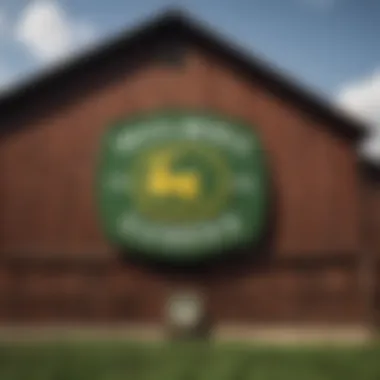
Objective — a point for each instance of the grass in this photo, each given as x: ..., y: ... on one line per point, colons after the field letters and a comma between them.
x: 139, y: 361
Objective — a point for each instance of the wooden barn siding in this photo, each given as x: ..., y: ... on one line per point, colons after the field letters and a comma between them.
x: 105, y: 291
x: 374, y: 213
x: 373, y: 244
x: 47, y: 209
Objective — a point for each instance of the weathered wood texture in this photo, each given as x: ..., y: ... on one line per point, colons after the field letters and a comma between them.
x: 48, y: 208
x: 107, y: 291
x: 372, y: 238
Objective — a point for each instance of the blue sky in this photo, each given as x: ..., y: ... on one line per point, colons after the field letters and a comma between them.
x: 331, y: 46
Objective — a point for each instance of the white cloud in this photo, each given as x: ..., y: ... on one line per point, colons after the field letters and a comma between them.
x: 49, y: 33
x: 361, y: 99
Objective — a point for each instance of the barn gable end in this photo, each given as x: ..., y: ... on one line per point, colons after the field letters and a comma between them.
x: 52, y: 130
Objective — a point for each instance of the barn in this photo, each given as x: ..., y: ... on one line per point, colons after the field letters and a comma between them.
x: 298, y: 246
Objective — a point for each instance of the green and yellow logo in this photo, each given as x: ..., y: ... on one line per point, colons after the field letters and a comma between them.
x: 181, y: 182
x: 182, y: 185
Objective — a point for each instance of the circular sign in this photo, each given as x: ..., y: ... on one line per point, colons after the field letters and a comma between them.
x: 182, y: 185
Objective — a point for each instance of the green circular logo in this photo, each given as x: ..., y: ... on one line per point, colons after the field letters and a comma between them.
x: 182, y: 185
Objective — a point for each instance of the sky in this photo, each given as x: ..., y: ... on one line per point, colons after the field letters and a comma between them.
x: 329, y: 46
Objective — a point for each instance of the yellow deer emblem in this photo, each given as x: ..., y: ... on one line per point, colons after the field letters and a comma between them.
x: 161, y: 181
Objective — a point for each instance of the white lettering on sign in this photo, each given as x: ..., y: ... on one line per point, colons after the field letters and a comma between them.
x: 231, y: 224
x: 194, y: 129
x: 130, y: 140
x: 128, y: 225
x: 178, y: 237
x: 244, y: 184
x: 118, y: 182
x: 219, y: 133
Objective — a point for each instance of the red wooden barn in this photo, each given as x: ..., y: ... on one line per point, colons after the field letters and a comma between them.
x: 319, y: 261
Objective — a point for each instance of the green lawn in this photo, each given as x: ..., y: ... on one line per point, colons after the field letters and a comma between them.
x: 132, y: 361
